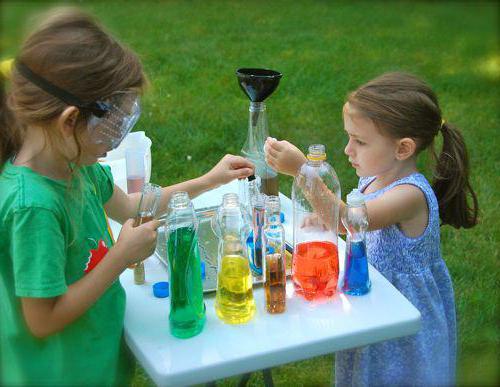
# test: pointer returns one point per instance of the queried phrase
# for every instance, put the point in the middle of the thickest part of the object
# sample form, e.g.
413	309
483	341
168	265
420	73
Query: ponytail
9	137
451	181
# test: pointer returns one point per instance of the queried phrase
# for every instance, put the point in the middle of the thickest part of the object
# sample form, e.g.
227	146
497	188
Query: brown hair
402	105
72	51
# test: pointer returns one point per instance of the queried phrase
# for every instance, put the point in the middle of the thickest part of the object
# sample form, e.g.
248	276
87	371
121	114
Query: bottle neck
273	211
179	201
257	126
273	218
356	222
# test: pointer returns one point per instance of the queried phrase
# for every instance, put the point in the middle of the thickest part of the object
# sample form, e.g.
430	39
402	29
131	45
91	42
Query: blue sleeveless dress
415	267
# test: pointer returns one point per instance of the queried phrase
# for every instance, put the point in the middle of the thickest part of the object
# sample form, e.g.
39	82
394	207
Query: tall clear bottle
253	149
254	242
187	309
273	243
356	278
234	302
315	197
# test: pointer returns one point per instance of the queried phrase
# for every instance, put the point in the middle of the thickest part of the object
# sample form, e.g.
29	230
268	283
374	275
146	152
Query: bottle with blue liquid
254	242
356	278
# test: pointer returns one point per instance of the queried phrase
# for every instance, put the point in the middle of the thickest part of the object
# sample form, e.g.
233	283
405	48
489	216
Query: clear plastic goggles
122	110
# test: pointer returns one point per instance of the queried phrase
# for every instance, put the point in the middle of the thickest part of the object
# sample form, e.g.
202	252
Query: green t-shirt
50	235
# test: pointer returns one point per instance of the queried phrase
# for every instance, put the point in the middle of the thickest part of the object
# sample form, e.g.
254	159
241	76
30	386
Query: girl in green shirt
73	96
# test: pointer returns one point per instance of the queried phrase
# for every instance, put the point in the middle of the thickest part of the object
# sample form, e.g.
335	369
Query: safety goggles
110	120
123	111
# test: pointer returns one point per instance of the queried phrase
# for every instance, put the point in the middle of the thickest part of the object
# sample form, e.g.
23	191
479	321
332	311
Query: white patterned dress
415	267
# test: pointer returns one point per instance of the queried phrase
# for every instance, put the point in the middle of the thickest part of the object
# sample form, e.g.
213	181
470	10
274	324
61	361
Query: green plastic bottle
187	309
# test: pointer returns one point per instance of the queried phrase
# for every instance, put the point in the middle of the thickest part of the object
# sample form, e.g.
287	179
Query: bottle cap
316	152
355	198
203	274
160	289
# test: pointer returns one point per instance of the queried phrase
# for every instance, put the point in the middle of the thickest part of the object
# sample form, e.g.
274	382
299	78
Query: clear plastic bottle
187	309
148	206
234	302
254	242
253	149
356	278
273	244
315	197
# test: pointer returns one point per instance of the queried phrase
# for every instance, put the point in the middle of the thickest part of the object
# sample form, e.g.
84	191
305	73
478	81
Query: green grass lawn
190	50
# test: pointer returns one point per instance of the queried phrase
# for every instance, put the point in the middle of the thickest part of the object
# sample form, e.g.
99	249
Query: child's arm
286	158
404	205
46	316
124	206
401	204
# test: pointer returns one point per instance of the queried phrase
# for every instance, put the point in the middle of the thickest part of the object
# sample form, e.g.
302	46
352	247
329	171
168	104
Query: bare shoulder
407	198
401	204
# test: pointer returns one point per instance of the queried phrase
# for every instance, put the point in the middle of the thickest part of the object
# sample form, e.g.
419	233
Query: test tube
136	170
150	201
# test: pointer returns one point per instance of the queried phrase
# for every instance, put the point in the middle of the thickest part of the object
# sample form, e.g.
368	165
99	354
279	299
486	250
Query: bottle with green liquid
187	309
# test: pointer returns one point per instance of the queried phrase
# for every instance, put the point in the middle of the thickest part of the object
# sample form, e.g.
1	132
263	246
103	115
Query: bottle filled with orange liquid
148	205
273	246
234	302
315	197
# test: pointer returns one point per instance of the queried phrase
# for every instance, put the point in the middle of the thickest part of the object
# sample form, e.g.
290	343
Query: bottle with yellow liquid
234	302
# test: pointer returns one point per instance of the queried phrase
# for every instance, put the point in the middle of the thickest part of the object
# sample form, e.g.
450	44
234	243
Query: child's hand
137	243
313	221
283	156
230	167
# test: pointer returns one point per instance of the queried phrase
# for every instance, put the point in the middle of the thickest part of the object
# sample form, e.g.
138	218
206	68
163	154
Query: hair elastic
98	108
6	68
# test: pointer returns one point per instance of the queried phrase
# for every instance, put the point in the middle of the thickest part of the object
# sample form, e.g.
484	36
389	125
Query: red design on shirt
96	255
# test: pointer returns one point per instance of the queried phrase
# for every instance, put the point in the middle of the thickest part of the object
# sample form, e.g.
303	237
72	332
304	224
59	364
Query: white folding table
305	330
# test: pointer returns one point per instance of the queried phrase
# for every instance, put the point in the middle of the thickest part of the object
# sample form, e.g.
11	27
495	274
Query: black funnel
258	84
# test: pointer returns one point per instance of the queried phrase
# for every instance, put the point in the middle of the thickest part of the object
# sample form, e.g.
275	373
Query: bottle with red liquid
315	197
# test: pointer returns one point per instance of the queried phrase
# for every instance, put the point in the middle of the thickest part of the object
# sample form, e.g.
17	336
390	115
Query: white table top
305	330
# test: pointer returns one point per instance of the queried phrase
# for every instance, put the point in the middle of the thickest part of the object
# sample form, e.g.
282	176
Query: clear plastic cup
136	171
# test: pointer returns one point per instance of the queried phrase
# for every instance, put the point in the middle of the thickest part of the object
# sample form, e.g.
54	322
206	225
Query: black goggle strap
98	108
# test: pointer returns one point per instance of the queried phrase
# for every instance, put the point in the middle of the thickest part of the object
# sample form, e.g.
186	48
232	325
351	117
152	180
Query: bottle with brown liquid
273	246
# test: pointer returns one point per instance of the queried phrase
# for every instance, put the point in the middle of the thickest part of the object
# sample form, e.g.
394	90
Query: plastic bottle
234	302
356	277
187	309
253	148
273	244
315	197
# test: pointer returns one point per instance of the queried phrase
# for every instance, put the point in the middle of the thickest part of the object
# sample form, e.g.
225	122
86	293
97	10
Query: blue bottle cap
203	275
282	217
160	289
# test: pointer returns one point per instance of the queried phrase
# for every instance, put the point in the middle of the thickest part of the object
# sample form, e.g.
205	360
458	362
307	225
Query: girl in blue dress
389	121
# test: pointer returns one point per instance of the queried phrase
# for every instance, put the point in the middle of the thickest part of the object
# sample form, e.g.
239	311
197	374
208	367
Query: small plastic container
136	171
